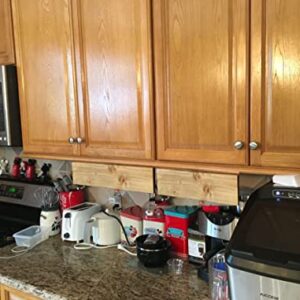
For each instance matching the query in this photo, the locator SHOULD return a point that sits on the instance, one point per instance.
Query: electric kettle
(103, 229)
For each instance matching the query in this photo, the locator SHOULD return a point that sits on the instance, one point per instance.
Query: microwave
(10, 125)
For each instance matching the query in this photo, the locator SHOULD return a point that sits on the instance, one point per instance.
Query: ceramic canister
(50, 218)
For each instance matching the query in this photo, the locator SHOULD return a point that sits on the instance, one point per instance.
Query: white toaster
(74, 220)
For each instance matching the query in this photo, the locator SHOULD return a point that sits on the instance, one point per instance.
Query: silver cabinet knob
(71, 140)
(238, 145)
(79, 140)
(253, 145)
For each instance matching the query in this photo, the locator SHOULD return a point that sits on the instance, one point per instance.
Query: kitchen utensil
(47, 196)
(60, 185)
(153, 250)
(51, 198)
(70, 199)
(31, 236)
(175, 265)
(67, 181)
(132, 219)
(105, 230)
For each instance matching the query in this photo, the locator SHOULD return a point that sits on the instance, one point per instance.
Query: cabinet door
(8, 293)
(201, 79)
(275, 97)
(7, 55)
(45, 63)
(114, 62)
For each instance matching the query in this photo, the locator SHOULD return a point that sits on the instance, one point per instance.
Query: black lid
(159, 243)
(267, 238)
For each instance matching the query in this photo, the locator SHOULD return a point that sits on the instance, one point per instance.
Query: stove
(18, 207)
(7, 229)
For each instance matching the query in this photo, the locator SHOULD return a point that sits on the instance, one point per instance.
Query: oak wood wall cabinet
(7, 54)
(225, 94)
(85, 77)
(201, 66)
(201, 80)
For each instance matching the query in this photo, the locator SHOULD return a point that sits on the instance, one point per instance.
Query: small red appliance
(178, 219)
(72, 198)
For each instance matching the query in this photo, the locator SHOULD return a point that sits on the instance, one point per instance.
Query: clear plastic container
(218, 277)
(175, 265)
(30, 236)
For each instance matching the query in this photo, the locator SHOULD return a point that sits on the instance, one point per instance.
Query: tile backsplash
(95, 194)
(61, 167)
(58, 168)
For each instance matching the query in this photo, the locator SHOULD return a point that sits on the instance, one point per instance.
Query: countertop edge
(28, 288)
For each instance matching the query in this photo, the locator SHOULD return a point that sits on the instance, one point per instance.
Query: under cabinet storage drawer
(218, 188)
(138, 179)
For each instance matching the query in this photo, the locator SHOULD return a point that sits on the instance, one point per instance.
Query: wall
(99, 195)
(59, 167)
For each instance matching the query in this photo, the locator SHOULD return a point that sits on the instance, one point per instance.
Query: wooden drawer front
(219, 188)
(114, 176)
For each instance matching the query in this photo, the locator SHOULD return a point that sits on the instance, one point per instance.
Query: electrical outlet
(116, 199)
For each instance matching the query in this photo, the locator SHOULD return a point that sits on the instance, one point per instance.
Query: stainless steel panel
(6, 137)
(28, 198)
(250, 286)
(223, 232)
(10, 125)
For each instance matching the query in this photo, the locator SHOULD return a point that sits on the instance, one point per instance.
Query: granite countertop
(55, 270)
